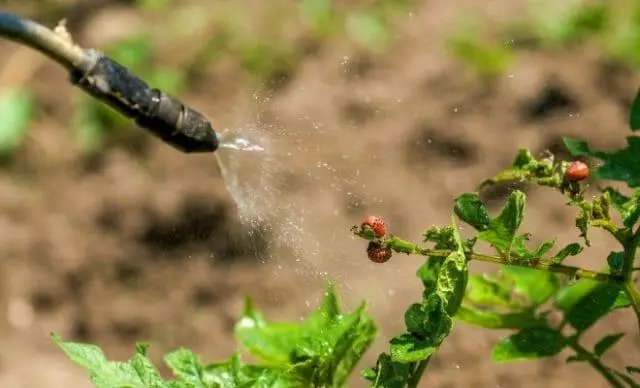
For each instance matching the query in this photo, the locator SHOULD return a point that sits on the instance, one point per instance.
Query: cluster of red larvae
(379, 253)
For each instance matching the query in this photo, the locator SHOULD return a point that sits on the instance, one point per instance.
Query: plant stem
(416, 376)
(630, 248)
(595, 363)
(542, 264)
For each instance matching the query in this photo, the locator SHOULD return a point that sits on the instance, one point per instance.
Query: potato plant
(546, 304)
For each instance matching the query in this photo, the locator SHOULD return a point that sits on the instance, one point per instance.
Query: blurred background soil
(111, 237)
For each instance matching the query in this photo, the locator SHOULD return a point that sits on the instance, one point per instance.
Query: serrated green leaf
(502, 229)
(606, 343)
(593, 306)
(471, 210)
(16, 111)
(520, 251)
(407, 348)
(496, 320)
(109, 374)
(528, 344)
(324, 347)
(537, 286)
(185, 364)
(576, 147)
(634, 114)
(389, 374)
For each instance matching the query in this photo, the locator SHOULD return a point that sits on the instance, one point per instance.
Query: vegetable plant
(547, 304)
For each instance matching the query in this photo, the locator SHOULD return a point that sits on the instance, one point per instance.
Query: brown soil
(122, 248)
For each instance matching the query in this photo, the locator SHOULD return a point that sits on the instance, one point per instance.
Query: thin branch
(543, 264)
(56, 45)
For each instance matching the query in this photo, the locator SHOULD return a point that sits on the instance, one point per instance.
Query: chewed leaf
(502, 229)
(528, 344)
(407, 348)
(526, 168)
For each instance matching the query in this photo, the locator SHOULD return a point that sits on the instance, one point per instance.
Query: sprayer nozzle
(163, 115)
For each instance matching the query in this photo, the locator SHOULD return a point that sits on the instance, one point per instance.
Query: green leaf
(621, 165)
(407, 348)
(16, 111)
(570, 295)
(149, 375)
(572, 249)
(627, 207)
(471, 210)
(576, 147)
(577, 358)
(429, 320)
(233, 373)
(186, 365)
(520, 250)
(634, 115)
(528, 344)
(633, 370)
(537, 286)
(616, 262)
(428, 272)
(452, 281)
(622, 301)
(606, 343)
(502, 229)
(325, 346)
(273, 343)
(388, 374)
(108, 374)
(483, 290)
(593, 306)
(495, 320)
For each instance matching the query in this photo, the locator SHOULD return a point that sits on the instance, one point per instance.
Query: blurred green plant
(613, 26)
(17, 107)
(485, 57)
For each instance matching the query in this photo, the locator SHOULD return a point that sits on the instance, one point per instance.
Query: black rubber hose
(112, 83)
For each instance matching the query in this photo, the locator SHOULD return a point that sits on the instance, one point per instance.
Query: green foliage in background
(612, 26)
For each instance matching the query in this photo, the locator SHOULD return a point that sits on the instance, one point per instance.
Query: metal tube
(110, 82)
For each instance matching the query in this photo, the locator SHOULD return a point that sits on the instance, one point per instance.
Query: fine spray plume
(251, 176)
